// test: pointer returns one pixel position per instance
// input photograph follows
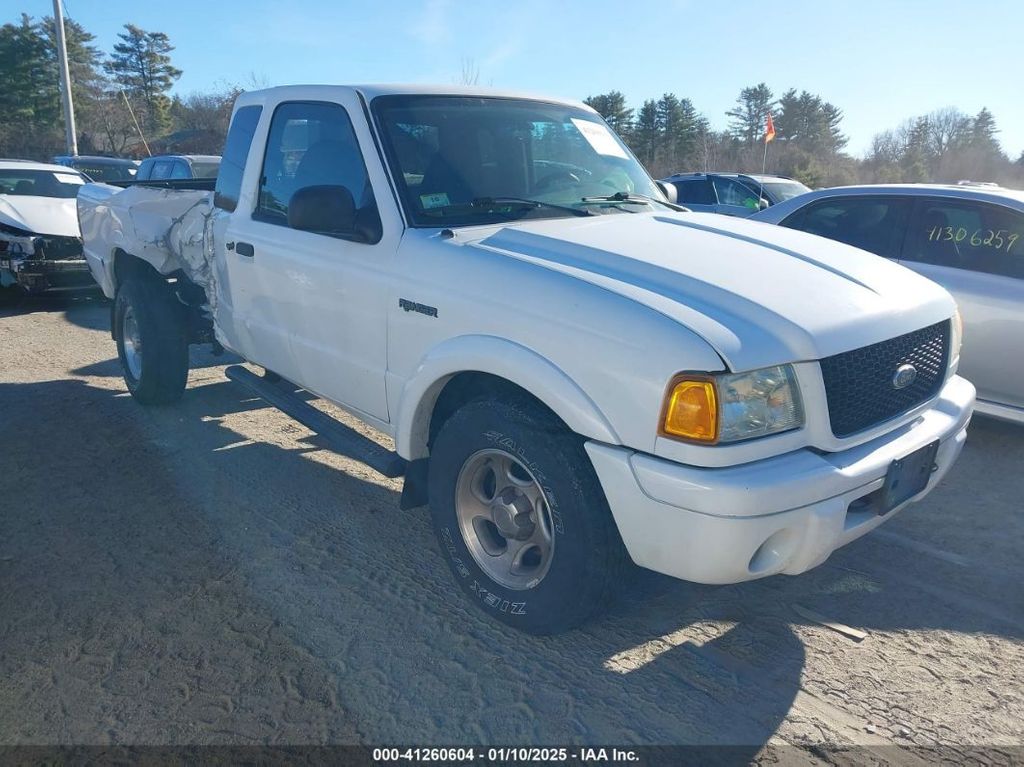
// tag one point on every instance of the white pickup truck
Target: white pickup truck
(575, 371)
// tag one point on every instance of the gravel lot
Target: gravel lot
(207, 573)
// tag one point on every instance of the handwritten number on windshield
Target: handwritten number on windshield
(999, 239)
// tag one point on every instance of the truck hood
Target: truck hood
(758, 294)
(40, 215)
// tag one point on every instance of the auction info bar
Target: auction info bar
(644, 756)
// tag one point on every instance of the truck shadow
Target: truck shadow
(87, 308)
(200, 359)
(193, 574)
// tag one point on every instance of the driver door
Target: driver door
(734, 199)
(312, 306)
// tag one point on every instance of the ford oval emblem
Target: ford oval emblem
(904, 376)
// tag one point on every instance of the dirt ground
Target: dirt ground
(207, 573)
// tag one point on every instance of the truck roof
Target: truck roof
(373, 90)
(189, 157)
(961, 191)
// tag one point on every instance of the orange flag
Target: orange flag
(769, 129)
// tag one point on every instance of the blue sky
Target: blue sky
(880, 62)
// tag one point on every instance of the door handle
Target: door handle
(243, 249)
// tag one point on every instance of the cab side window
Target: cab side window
(976, 236)
(734, 193)
(181, 170)
(311, 144)
(874, 224)
(236, 150)
(696, 191)
(161, 170)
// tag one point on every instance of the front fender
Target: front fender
(499, 357)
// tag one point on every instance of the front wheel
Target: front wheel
(152, 340)
(521, 517)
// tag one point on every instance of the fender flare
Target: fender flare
(504, 359)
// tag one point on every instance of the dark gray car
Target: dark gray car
(733, 194)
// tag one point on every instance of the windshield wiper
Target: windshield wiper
(489, 203)
(635, 199)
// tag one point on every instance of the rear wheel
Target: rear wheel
(151, 331)
(521, 517)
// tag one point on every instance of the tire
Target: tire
(545, 590)
(154, 356)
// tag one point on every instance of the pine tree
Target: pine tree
(87, 81)
(748, 117)
(141, 65)
(612, 107)
(983, 133)
(83, 57)
(914, 162)
(29, 92)
(645, 133)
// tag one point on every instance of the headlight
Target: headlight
(956, 336)
(734, 406)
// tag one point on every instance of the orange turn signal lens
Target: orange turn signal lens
(691, 410)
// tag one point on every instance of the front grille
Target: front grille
(55, 248)
(859, 384)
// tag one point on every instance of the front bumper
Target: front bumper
(37, 275)
(784, 514)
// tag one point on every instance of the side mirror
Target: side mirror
(669, 190)
(763, 204)
(324, 210)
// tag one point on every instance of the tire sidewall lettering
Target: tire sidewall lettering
(512, 447)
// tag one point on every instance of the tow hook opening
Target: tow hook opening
(773, 553)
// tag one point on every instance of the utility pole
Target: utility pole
(65, 81)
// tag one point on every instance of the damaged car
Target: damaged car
(40, 243)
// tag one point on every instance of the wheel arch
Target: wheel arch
(462, 368)
(125, 265)
(122, 266)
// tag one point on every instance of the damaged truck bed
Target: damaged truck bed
(163, 223)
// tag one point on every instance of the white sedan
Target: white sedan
(40, 243)
(969, 238)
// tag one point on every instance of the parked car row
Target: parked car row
(156, 168)
(40, 242)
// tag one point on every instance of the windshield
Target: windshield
(781, 191)
(104, 172)
(40, 183)
(447, 152)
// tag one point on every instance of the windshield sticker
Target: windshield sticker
(600, 138)
(436, 200)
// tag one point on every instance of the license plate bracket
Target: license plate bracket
(908, 476)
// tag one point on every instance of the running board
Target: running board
(340, 438)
